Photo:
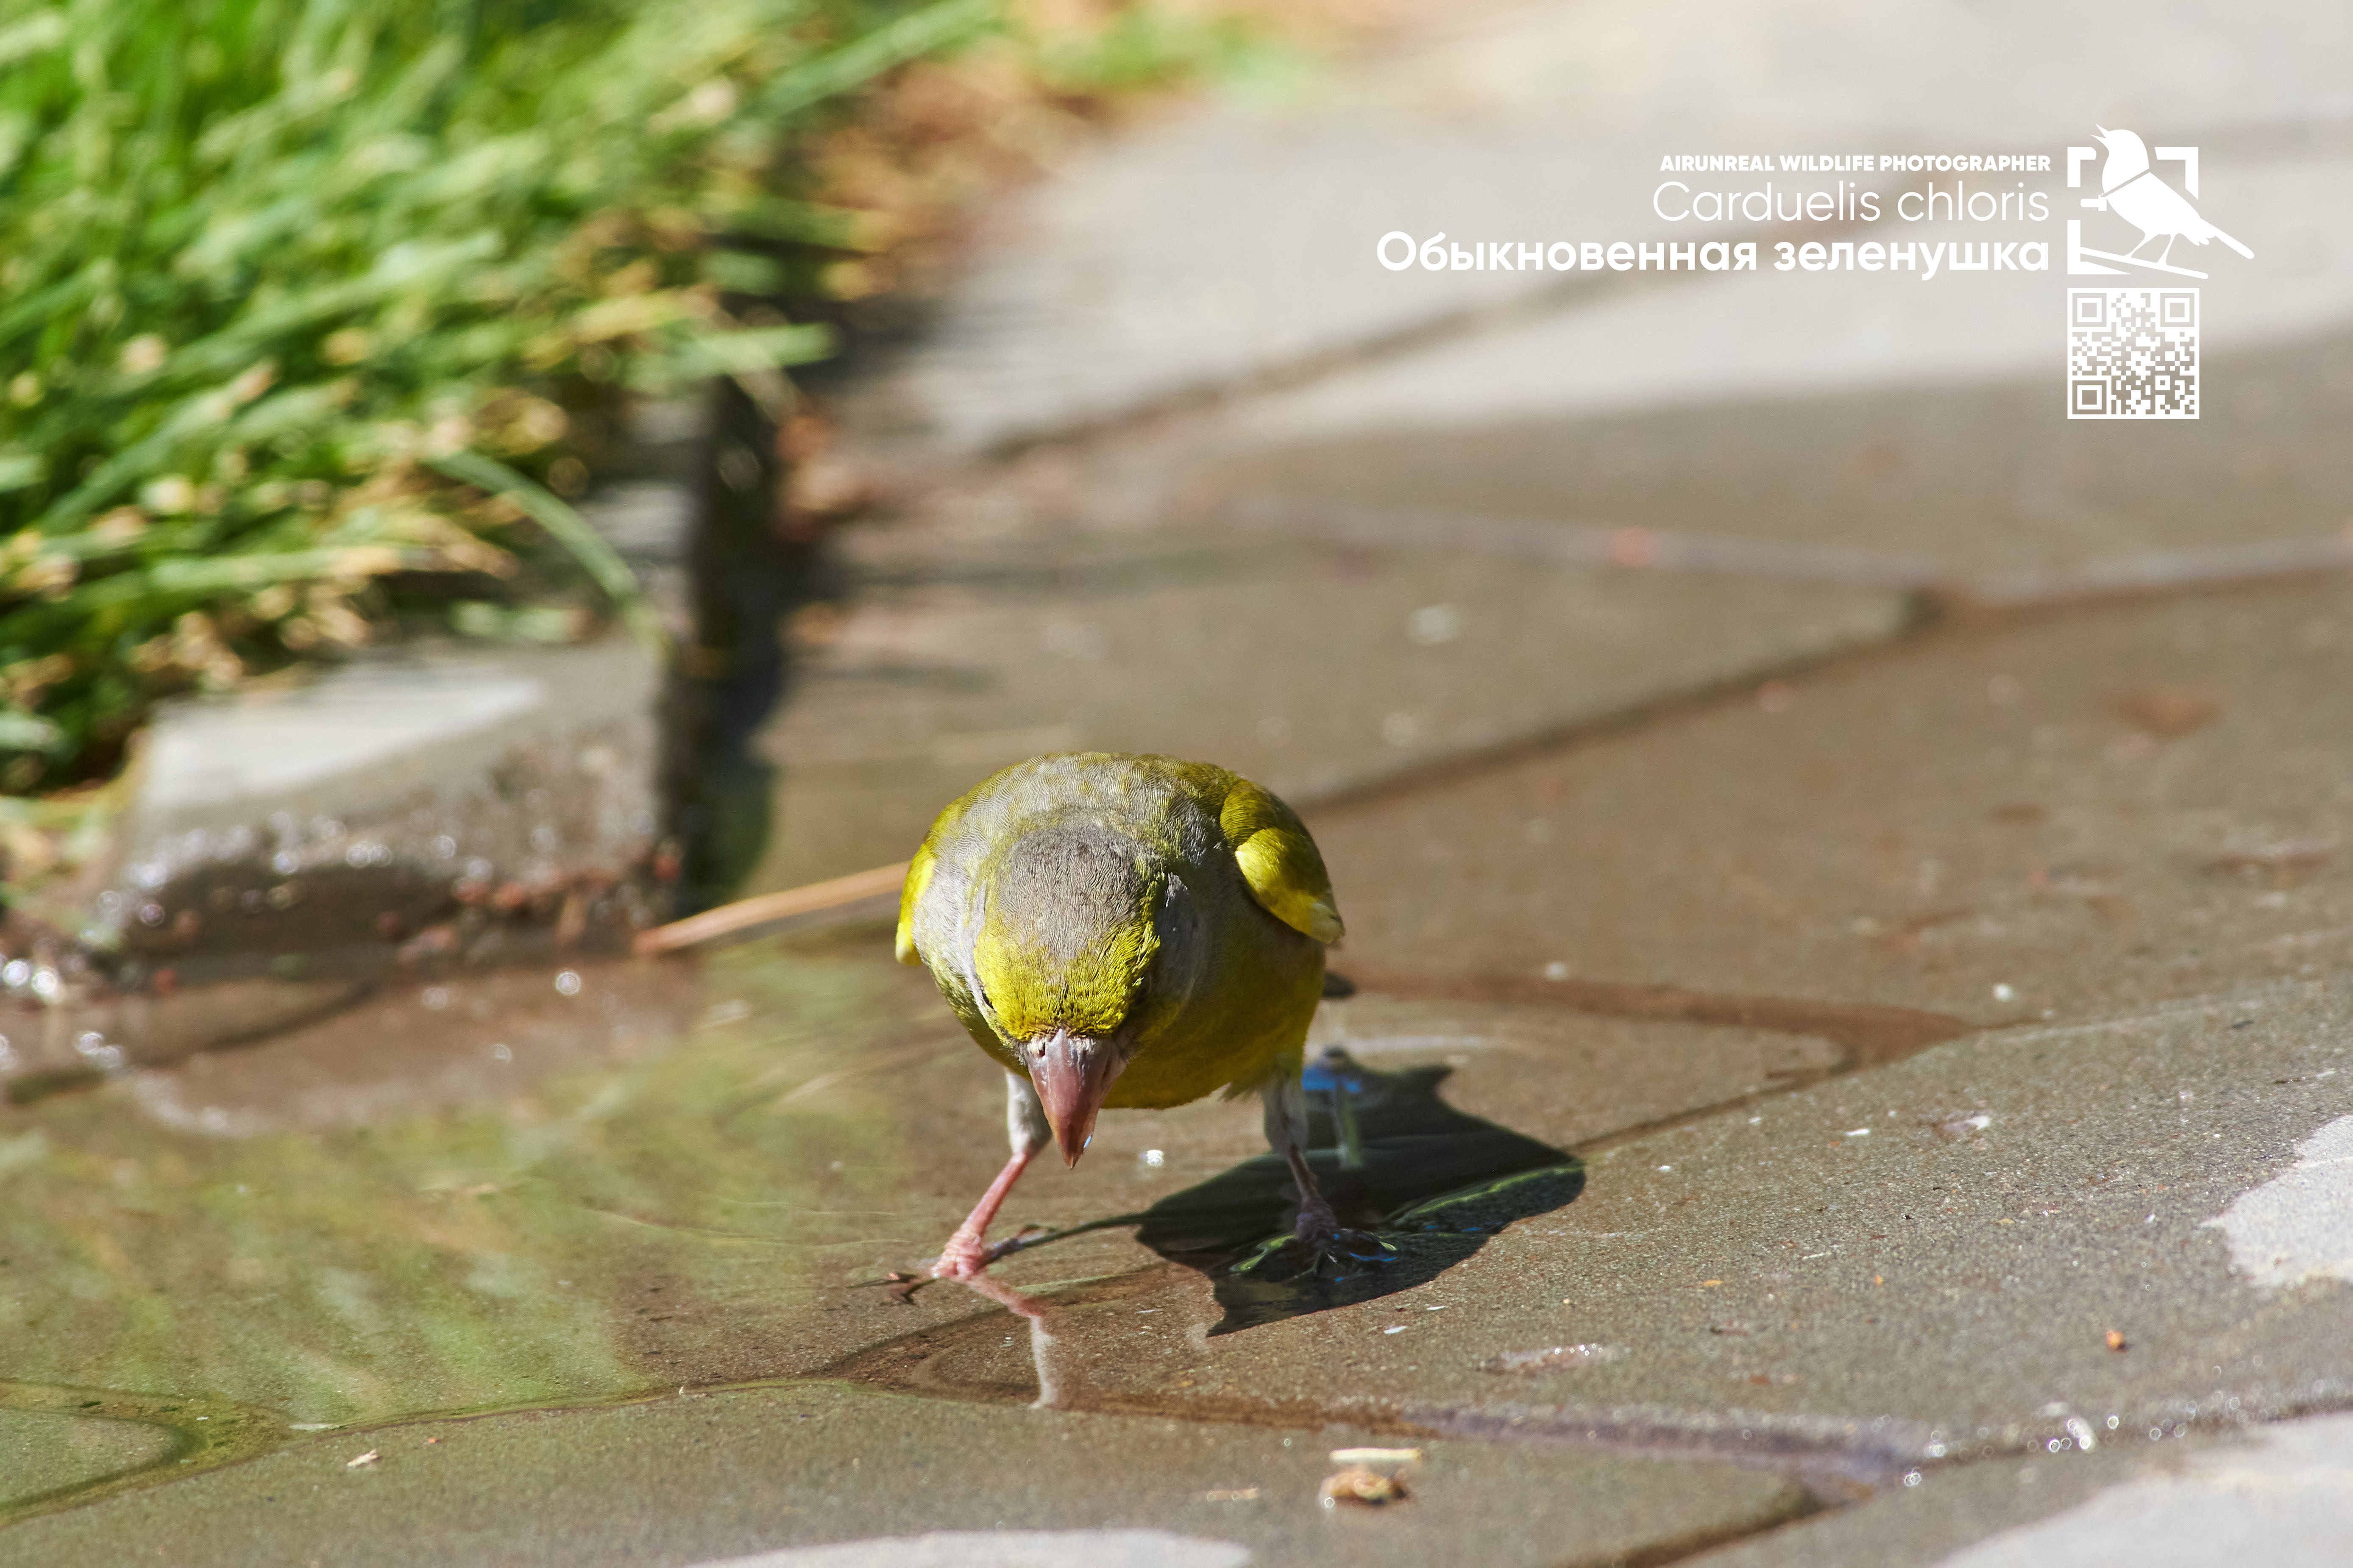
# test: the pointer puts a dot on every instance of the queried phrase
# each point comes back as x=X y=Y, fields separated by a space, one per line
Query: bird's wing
x=911 y=892
x=1279 y=862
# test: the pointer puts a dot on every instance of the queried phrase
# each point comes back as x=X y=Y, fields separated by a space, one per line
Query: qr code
x=2132 y=354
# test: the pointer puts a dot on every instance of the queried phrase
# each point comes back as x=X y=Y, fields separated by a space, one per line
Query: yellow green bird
x=1125 y=931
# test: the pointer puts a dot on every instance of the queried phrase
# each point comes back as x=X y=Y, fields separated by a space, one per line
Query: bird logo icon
x=2131 y=188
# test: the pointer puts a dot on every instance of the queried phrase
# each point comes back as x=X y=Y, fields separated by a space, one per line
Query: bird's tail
x=2233 y=244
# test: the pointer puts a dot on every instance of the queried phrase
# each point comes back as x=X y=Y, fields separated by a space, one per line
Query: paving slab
x=2050 y=817
x=727 y=1473
x=1859 y=427
x=1665 y=344
x=1311 y=669
x=435 y=791
x=1947 y=1509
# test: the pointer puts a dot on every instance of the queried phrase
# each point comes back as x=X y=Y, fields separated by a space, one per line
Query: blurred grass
x=288 y=284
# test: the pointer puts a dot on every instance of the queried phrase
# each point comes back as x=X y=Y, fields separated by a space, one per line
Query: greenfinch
x=1125 y=931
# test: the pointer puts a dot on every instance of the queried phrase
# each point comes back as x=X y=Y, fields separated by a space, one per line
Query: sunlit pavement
x=1847 y=879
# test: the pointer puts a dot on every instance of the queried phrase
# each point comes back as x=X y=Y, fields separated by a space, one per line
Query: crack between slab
x=1932 y=616
x=1835 y=1462
x=1870 y=1035
x=1634 y=547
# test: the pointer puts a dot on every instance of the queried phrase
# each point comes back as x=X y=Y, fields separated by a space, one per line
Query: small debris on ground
x=370 y=1458
x=2117 y=1340
x=1363 y=1487
x=1230 y=1494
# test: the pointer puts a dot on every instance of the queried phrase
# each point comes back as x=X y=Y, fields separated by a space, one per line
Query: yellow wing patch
x=911 y=891
x=1279 y=862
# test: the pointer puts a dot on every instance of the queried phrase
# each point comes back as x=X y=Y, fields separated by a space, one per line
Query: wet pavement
x=1849 y=914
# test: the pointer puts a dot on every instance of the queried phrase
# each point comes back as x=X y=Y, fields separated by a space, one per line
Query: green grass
x=289 y=289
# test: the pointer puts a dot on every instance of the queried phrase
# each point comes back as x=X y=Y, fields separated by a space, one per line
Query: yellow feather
x=1279 y=862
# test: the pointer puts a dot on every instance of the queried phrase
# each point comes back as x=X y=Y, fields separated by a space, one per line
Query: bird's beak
x=1071 y=1075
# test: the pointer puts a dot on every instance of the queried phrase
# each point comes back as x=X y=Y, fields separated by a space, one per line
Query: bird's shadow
x=1432 y=1182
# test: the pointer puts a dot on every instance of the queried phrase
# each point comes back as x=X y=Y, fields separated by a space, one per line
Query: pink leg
x=967 y=1254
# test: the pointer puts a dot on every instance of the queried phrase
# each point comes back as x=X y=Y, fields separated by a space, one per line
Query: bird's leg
x=1318 y=1228
x=967 y=1254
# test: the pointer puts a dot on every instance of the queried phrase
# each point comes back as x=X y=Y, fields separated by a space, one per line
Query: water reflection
x=424 y=1205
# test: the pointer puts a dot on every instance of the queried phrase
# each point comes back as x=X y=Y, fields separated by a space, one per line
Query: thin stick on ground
x=745 y=913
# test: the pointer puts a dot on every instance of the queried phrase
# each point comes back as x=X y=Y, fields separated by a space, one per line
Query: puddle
x=379 y=1216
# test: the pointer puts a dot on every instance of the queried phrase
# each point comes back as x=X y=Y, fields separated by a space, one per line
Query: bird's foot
x=966 y=1255
x=1318 y=1244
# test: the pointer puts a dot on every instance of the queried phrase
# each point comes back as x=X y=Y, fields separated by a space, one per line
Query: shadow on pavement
x=1433 y=1182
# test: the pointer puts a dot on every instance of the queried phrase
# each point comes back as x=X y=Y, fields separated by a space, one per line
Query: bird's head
x=1069 y=935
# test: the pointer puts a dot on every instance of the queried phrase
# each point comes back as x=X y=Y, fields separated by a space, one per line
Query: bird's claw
x=1346 y=1252
x=902 y=1287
